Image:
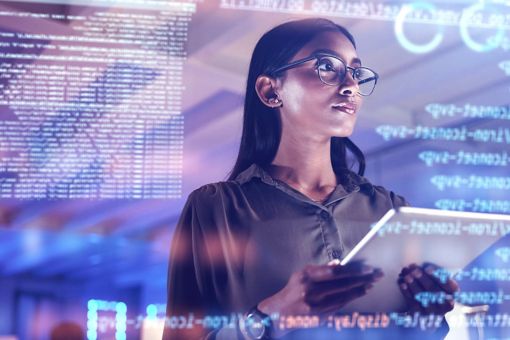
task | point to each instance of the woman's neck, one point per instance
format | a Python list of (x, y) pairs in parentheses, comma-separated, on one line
[(306, 164)]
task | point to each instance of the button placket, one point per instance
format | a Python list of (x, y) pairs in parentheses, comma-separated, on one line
[(330, 234)]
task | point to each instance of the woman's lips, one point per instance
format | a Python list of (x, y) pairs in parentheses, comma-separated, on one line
[(349, 108)]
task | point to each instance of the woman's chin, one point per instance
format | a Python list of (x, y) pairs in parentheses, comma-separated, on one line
[(343, 132)]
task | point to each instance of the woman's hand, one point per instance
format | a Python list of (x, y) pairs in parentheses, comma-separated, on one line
[(320, 290), (414, 279)]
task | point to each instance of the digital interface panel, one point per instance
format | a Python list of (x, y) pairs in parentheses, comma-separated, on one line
[(91, 102)]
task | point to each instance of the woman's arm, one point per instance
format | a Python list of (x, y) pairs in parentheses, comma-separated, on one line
[(190, 289), (183, 294), (186, 297)]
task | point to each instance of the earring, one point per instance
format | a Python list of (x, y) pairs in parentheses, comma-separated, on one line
[(274, 102)]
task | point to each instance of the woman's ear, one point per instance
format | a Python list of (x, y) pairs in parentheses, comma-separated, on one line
[(265, 87)]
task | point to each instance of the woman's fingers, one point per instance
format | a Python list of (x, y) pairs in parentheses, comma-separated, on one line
[(427, 278), (319, 273), (414, 280), (408, 288), (320, 291), (407, 269), (335, 302), (450, 286), (427, 283), (332, 286)]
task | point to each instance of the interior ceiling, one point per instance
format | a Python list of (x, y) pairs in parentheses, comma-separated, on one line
[(35, 234)]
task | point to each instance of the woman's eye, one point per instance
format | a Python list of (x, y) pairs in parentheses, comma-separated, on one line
[(325, 66)]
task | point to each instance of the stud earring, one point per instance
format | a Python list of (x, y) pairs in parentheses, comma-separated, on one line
[(274, 102)]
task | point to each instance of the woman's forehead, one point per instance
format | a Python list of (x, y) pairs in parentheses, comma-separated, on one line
[(332, 41)]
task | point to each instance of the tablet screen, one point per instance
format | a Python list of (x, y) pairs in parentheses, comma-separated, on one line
[(451, 240)]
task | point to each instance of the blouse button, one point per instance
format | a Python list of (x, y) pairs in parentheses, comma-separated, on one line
[(336, 254)]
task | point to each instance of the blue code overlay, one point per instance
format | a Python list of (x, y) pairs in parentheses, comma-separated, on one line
[(468, 298), (461, 157), (495, 228), (474, 274), (443, 182), (476, 205), (438, 111), (458, 134)]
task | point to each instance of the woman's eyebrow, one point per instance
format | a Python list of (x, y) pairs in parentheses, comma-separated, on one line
[(356, 61), (328, 51)]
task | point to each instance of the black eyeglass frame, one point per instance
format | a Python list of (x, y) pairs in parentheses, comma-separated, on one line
[(318, 56)]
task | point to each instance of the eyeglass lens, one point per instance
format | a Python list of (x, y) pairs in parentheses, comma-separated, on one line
[(332, 71)]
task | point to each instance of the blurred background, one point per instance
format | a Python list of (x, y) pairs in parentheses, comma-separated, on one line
[(112, 112)]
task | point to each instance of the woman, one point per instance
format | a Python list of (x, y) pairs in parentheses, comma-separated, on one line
[(259, 244)]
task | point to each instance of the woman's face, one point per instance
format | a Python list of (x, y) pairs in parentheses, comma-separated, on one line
[(313, 108)]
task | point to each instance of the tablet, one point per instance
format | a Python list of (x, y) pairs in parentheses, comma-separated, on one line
[(449, 239)]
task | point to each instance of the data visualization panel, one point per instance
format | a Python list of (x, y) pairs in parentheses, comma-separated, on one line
[(90, 103)]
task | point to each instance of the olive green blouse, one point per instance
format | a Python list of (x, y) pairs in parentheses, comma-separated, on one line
[(238, 242)]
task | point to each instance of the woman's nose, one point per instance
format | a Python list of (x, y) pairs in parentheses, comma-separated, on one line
[(349, 86)]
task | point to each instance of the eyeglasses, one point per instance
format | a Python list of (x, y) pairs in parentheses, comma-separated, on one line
[(333, 70)]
